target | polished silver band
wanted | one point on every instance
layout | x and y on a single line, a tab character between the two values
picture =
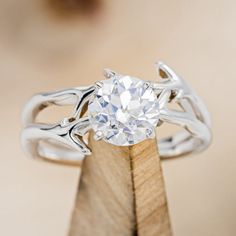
65	142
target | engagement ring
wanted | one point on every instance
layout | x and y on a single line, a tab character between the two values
121	110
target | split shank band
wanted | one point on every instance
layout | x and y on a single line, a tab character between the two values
65	141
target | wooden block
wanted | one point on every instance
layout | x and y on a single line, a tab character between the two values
121	192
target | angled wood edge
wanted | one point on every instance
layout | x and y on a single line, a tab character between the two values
152	215
121	192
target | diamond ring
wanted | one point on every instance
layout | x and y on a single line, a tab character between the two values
121	110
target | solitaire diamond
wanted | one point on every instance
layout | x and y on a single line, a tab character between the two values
124	110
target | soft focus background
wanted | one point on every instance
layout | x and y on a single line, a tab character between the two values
52	44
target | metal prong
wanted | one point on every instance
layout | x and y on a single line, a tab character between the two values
98	135
150	133
147	84
98	84
109	73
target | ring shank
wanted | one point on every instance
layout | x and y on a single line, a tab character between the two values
179	144
193	117
54	142
195	136
41	144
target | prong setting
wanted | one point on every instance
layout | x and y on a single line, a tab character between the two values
98	84
147	84
98	135
150	133
123	109
108	73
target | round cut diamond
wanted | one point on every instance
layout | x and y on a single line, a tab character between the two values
124	110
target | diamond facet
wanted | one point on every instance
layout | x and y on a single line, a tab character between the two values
124	110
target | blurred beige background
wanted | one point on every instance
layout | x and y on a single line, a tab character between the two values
52	44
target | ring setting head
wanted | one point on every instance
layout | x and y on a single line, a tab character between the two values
124	110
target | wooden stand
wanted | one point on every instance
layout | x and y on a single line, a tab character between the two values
121	193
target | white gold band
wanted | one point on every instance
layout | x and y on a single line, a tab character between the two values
64	142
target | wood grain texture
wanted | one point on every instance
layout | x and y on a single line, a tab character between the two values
121	192
150	198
